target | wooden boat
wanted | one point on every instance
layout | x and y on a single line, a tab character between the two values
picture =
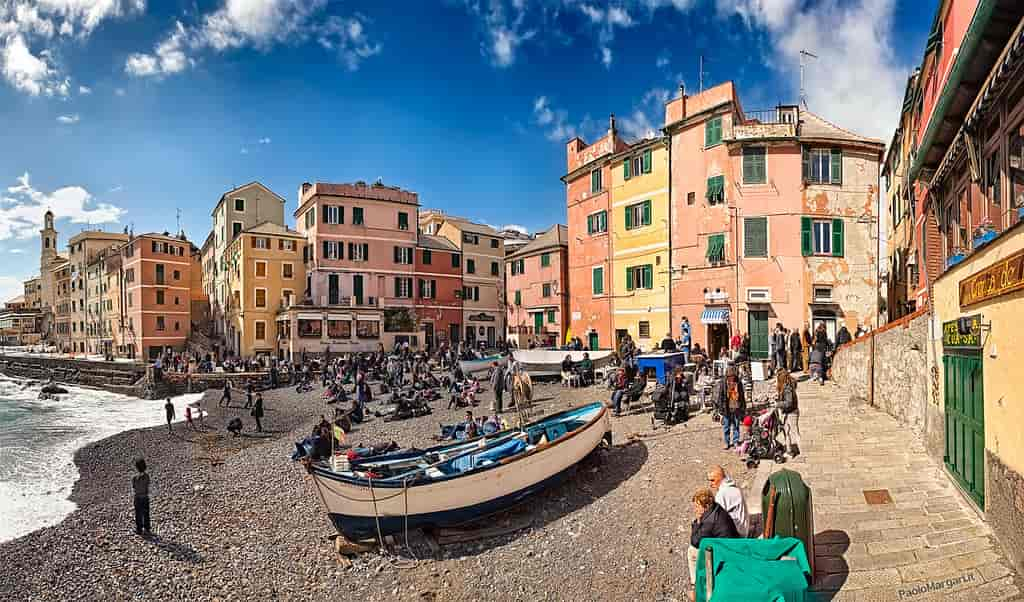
548	362
481	365
453	484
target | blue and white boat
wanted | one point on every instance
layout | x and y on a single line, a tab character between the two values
454	484
483	364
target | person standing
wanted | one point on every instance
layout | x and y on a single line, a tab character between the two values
795	352
732	405
498	386
169	410
684	338
140	495
248	395
808	341
789	405
257	412
779	345
225	397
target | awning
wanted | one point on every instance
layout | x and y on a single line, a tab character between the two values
310	316
716	247
341	317
369	318
714	316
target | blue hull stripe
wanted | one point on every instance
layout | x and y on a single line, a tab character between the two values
363	527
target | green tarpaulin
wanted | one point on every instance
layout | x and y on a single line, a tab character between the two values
755	570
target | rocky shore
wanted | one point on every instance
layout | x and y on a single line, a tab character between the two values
236	519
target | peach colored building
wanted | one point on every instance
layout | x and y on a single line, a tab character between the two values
537	283
773	220
360	259
588	181
157	294
438	290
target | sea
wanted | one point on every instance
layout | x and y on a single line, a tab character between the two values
38	441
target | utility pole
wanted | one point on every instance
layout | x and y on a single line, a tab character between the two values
803	92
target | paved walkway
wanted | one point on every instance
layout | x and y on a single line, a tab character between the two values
928	544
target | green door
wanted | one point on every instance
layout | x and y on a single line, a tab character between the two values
757	326
538	323
357	288
965	423
594	342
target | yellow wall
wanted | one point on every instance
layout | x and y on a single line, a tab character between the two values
1004	414
640	246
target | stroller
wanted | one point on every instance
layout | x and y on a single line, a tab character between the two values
764	438
667	409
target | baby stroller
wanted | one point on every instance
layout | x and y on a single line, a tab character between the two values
764	439
668	409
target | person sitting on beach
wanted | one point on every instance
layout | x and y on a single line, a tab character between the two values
586	369
140	491
471	426
619	390
711	521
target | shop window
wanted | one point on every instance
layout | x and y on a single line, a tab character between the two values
310	328
367	329
339	329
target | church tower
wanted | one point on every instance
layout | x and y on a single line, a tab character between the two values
47	242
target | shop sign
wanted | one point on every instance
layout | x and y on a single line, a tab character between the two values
481	317
1001	278
962	333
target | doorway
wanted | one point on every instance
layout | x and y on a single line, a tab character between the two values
828	318
594	341
757	326
453	334
718	339
965	423
470	335
491	337
428	336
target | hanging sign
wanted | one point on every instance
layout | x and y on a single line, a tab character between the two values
962	333
1004	277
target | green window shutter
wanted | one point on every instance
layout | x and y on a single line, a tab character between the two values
595	180
325	250
604	221
629	279
837	166
625	168
711	189
545	260
755	237
716	248
629	218
647	161
366	251
648	276
805	158
551	316
597	281
323	215
519	297
806	237
428	256
590	224
351	250
837	237
647	213
712	131
341	214
754	165
397	280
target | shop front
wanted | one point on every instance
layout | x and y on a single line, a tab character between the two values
716	320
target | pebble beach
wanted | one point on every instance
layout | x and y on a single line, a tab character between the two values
235	518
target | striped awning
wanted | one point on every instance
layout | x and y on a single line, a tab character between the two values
714	316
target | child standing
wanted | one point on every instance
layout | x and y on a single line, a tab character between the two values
188	417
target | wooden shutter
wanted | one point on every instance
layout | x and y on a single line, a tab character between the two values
326	251
597	276
837	237
519	297
398	257
433	289
806	237
648	276
629	217
837	166
340	249
590	224
366	252
397	287
351	250
323	214
604	221
629	279
625	168
341	214
755	237
646	214
805	159
647	161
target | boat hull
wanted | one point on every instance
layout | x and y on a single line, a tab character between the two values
355	509
548	362
482	365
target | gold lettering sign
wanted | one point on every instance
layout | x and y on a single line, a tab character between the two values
998	279
953	338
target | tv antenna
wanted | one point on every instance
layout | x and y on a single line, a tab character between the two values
804	54
700	87
177	213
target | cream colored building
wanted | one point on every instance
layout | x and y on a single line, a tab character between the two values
85	249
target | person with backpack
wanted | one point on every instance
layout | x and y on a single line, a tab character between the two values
789	405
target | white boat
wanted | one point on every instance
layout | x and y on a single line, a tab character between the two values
483	364
548	362
458	483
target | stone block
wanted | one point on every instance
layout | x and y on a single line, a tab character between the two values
974	559
865	579
934	569
993	571
896	545
955	535
977	544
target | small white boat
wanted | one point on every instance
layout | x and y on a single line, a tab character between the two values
483	364
454	484
548	362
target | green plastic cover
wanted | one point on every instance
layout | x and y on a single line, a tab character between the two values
794	507
755	570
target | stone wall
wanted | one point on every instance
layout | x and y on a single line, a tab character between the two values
1004	506
119	377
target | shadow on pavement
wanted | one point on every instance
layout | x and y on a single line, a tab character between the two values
830	568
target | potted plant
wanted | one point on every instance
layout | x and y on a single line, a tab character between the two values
984	232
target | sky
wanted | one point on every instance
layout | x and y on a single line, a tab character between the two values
122	112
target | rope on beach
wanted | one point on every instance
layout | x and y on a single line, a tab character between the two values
376	515
405	489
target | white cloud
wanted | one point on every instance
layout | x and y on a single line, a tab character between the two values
662	60
68	119
606	21
645	120
504	29
259	24
10	287
244	151
33	74
264	140
84	90
516	228
21	214
554	122
16	251
117	188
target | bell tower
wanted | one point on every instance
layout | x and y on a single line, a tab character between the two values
47	242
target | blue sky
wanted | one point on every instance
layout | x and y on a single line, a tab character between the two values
122	111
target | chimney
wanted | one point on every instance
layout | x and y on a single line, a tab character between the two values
611	125
303	190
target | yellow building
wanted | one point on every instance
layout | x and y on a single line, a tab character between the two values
639	227
264	275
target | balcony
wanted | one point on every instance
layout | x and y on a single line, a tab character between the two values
779	122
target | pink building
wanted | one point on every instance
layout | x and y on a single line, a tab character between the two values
537	287
773	220
360	259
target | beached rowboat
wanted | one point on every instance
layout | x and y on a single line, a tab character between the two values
480	365
453	484
548	362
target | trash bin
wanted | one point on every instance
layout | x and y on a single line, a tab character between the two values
787	509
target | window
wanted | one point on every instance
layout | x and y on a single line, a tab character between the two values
311	217
716	248
821	237
822	294
428	256
403	255
155	247
823	165
177	300
130	299
236	229
644	329
597	222
261	330
261	297
691	198
545	260
357	216
551	316
160	273
470	238
160	325
310	328
285	245
640	277
334	214
471	293
517	266
716	190
403	220
428	289
129	275
713	131
470	266
494	268
357	251
403	288
339	329
638	215
456	260
546	289
159	297
260	242
595	181
755	237
286	297
261	269
494	243
754	171
634	166
176	274
992	179
240	205
287	271
519	297
367	329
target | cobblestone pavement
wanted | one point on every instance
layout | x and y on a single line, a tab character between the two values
927	544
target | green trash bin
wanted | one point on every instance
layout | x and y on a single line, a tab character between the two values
788	511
